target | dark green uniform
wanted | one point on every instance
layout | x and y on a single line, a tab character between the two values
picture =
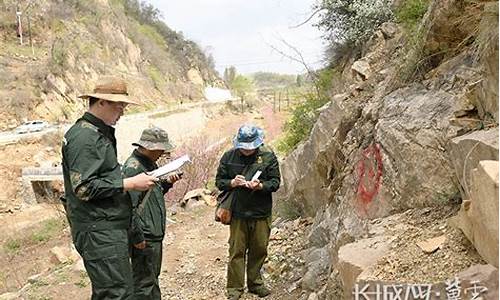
148	223
98	210
250	225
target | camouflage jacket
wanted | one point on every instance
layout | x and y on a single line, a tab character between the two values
248	203
149	213
93	181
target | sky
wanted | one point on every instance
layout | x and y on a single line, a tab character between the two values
243	33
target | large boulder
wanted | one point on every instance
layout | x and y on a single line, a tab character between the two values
478	217
468	150
356	257
308	170
410	135
362	67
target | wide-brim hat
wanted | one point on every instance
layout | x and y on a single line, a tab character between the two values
155	138
111	89
249	137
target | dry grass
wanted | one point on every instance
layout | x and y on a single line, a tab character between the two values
487	39
200	173
443	33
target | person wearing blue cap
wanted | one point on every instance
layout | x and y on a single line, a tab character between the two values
250	171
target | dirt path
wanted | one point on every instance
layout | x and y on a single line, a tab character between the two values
195	257
196	248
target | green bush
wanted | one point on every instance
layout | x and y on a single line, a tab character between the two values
351	22
151	33
411	12
157	77
305	114
12	245
49	229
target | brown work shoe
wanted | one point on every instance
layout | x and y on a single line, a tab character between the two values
260	291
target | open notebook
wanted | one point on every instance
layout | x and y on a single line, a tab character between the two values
171	166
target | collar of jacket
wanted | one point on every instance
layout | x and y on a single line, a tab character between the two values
148	164
249	159
106	130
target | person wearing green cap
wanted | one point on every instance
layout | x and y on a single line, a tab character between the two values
251	208
149	214
97	206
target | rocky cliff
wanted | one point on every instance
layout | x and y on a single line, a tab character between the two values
68	45
387	150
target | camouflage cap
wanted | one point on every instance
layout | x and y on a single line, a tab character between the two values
155	138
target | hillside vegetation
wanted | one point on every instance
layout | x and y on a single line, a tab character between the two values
73	43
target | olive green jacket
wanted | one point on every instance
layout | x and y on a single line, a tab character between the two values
248	204
93	181
149	213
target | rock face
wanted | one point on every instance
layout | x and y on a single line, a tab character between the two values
300	184
487	94
478	217
468	150
412	129
64	254
362	68
377	150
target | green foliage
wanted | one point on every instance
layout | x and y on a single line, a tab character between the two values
156	76
351	22
229	75
186	52
58	58
151	32
305	114
242	85
265	80
142	11
411	12
12	245
49	229
299	80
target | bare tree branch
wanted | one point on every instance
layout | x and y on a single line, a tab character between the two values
297	57
308	19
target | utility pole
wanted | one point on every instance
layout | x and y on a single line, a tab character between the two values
287	99
279	101
19	25
274	102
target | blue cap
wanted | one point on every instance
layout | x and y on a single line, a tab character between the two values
249	137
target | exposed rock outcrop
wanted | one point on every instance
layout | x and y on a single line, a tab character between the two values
377	150
478	217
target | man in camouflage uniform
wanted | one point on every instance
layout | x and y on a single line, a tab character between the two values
251	208
148	220
97	207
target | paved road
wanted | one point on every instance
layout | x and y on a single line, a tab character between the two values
189	118
10	137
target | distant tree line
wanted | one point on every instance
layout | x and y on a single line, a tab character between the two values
146	13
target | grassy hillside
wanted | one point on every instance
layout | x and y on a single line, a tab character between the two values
73	43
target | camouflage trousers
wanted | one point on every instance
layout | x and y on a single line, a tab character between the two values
248	242
106	259
146	265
